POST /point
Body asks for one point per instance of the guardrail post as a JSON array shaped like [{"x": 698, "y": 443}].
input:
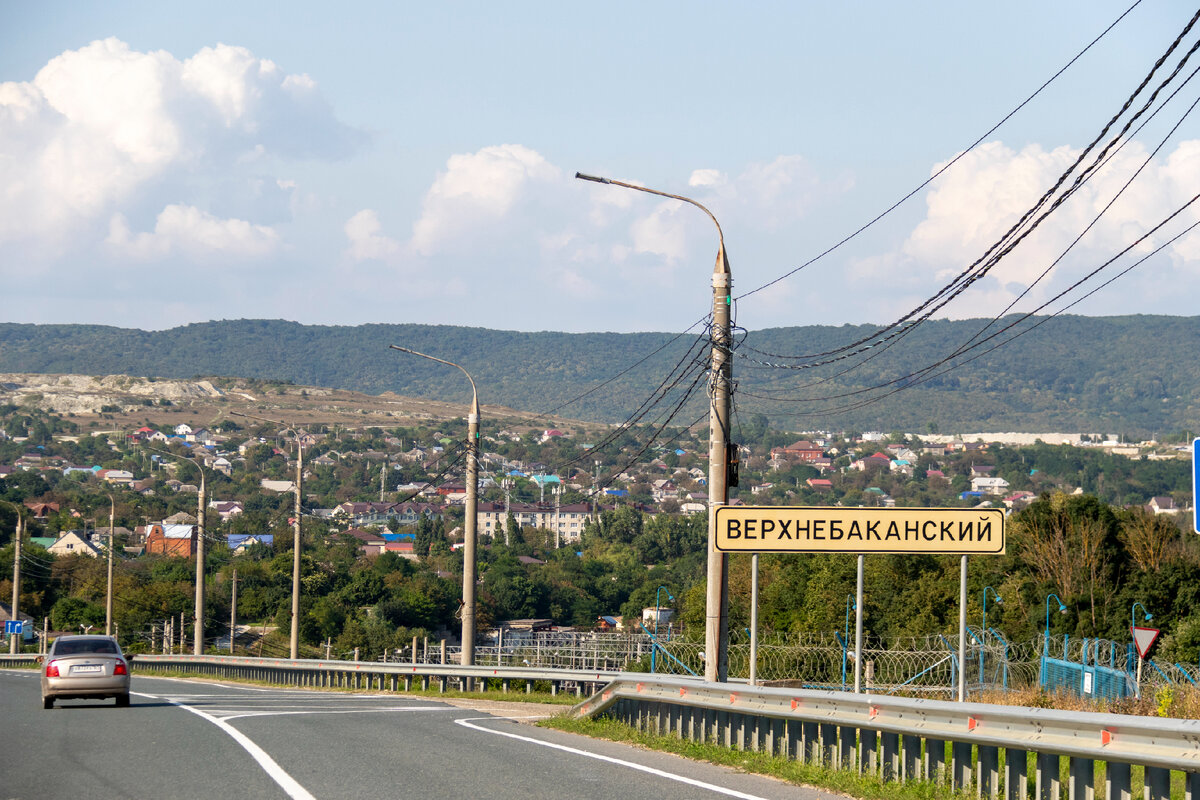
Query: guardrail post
[
  {"x": 910, "y": 760},
  {"x": 810, "y": 735},
  {"x": 1049, "y": 784},
  {"x": 829, "y": 754},
  {"x": 777, "y": 740},
  {"x": 1118, "y": 781},
  {"x": 1016, "y": 784},
  {"x": 1158, "y": 783},
  {"x": 989, "y": 772},
  {"x": 847, "y": 744},
  {"x": 1082, "y": 781},
  {"x": 890, "y": 760},
  {"x": 935, "y": 760},
  {"x": 868, "y": 751},
  {"x": 961, "y": 766},
  {"x": 1191, "y": 786}
]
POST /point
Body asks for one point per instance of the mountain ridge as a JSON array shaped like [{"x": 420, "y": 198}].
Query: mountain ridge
[{"x": 1103, "y": 374}]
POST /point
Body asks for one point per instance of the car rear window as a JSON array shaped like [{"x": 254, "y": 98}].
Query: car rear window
[{"x": 80, "y": 646}]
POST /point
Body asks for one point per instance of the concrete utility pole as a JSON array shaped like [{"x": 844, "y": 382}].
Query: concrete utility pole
[
  {"x": 294, "y": 647},
  {"x": 108, "y": 604},
  {"x": 18, "y": 534},
  {"x": 198, "y": 648},
  {"x": 716, "y": 629},
  {"x": 232, "y": 614},
  {"x": 470, "y": 513}
]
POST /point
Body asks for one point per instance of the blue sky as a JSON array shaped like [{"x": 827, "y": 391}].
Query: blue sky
[{"x": 403, "y": 162}]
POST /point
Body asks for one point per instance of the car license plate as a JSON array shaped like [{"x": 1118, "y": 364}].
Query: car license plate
[{"x": 83, "y": 669}]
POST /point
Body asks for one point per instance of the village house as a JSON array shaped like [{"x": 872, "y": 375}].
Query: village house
[
  {"x": 989, "y": 485},
  {"x": 803, "y": 451},
  {"x": 176, "y": 541},
  {"x": 74, "y": 543}
]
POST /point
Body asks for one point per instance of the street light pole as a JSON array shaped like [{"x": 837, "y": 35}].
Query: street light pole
[
  {"x": 294, "y": 637},
  {"x": 108, "y": 603},
  {"x": 470, "y": 513},
  {"x": 716, "y": 627},
  {"x": 201, "y": 508}
]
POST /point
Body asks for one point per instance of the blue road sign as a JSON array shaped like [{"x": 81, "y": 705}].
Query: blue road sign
[
  {"x": 1195, "y": 486},
  {"x": 12, "y": 626}
]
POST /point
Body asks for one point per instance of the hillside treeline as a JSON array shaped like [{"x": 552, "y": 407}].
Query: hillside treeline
[{"x": 1109, "y": 375}]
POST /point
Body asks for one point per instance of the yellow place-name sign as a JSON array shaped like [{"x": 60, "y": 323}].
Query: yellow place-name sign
[{"x": 780, "y": 529}]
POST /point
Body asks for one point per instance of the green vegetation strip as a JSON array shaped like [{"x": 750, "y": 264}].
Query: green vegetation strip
[{"x": 866, "y": 787}]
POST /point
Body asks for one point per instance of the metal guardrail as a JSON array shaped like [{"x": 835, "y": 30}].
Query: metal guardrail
[
  {"x": 367, "y": 675},
  {"x": 989, "y": 747}
]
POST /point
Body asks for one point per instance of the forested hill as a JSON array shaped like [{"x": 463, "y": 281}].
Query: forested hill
[{"x": 1134, "y": 374}]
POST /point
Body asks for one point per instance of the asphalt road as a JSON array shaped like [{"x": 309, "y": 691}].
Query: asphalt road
[{"x": 193, "y": 739}]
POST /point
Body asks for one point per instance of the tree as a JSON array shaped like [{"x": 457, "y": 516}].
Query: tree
[{"x": 1150, "y": 539}]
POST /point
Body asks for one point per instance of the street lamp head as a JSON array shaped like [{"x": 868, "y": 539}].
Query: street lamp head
[{"x": 1062, "y": 609}]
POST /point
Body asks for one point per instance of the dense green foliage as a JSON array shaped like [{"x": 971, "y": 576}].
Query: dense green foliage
[{"x": 1113, "y": 374}]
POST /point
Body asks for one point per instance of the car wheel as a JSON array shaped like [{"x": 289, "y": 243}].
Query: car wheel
[
  {"x": 123, "y": 700},
  {"x": 47, "y": 702}
]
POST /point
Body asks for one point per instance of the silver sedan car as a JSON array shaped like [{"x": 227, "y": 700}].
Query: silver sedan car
[{"x": 85, "y": 667}]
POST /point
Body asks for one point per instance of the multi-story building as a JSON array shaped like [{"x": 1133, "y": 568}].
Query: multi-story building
[{"x": 567, "y": 521}]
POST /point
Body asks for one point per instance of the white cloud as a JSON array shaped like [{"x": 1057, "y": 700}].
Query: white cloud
[
  {"x": 707, "y": 177},
  {"x": 477, "y": 189},
  {"x": 980, "y": 198},
  {"x": 366, "y": 242},
  {"x": 100, "y": 129},
  {"x": 188, "y": 231}
]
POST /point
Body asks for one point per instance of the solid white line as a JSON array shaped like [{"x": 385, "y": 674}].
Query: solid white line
[
  {"x": 276, "y": 772},
  {"x": 466, "y": 723}
]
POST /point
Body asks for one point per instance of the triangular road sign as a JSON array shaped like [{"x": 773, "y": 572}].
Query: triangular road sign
[{"x": 1143, "y": 638}]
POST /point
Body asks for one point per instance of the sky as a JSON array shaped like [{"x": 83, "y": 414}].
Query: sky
[{"x": 163, "y": 164}]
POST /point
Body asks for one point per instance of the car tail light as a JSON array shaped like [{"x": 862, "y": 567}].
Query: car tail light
[
  {"x": 52, "y": 669},
  {"x": 120, "y": 669}
]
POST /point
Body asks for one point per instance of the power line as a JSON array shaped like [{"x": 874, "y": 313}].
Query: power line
[
  {"x": 967, "y": 346},
  {"x": 1028, "y": 222},
  {"x": 921, "y": 376},
  {"x": 950, "y": 163}
]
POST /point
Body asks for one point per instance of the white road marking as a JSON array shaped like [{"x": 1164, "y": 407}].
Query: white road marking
[
  {"x": 466, "y": 723},
  {"x": 334, "y": 711},
  {"x": 269, "y": 765}
]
